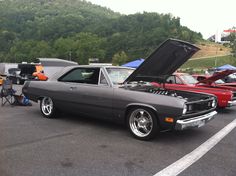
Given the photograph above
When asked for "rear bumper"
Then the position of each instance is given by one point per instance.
(197, 121)
(231, 103)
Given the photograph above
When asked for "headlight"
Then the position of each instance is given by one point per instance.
(184, 109)
(213, 104)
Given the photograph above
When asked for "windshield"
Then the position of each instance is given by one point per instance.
(219, 81)
(119, 75)
(188, 79)
(233, 76)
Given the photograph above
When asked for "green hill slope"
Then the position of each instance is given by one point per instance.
(81, 30)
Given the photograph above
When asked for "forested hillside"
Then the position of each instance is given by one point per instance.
(78, 30)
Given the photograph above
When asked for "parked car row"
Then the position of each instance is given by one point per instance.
(26, 72)
(217, 79)
(149, 99)
(226, 95)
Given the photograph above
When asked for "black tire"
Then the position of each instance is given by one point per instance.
(142, 123)
(47, 107)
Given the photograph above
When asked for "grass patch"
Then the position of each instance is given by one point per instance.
(210, 62)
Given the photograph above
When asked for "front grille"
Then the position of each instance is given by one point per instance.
(198, 106)
(234, 96)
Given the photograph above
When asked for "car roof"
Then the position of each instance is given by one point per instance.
(68, 68)
(96, 66)
(180, 73)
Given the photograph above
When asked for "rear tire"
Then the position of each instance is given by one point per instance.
(47, 107)
(142, 123)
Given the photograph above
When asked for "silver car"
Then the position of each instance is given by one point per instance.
(126, 95)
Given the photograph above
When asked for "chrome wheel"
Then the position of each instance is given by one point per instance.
(141, 123)
(47, 106)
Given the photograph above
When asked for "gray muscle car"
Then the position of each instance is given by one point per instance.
(126, 95)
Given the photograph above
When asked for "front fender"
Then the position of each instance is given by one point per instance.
(141, 104)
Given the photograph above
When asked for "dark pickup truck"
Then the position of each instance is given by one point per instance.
(22, 73)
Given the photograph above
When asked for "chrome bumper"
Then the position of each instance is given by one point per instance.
(231, 103)
(194, 121)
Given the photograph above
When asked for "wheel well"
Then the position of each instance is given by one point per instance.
(141, 106)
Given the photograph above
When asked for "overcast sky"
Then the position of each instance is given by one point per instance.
(205, 16)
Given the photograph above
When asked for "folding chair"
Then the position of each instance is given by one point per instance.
(7, 92)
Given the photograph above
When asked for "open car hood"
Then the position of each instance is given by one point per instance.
(217, 76)
(164, 61)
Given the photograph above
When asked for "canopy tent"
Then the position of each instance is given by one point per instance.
(226, 67)
(134, 64)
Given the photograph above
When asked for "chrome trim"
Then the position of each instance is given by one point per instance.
(47, 106)
(141, 123)
(197, 121)
(231, 103)
(201, 101)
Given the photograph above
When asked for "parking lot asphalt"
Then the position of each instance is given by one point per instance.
(72, 145)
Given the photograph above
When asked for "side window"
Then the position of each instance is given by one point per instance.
(171, 80)
(103, 80)
(178, 81)
(199, 78)
(82, 75)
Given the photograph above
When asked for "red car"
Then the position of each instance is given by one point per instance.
(216, 80)
(186, 82)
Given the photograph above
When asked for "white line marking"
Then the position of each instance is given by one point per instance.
(186, 161)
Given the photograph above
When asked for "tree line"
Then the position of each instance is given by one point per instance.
(78, 30)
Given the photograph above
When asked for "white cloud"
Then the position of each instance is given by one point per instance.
(205, 16)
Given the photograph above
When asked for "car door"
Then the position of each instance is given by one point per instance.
(85, 92)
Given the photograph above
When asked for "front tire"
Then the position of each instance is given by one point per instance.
(47, 107)
(142, 123)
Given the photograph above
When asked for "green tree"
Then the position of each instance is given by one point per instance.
(41, 49)
(80, 30)
(120, 58)
(87, 46)
(64, 48)
(29, 50)
(6, 41)
(232, 39)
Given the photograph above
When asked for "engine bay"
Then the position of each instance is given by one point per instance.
(189, 96)
(162, 91)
